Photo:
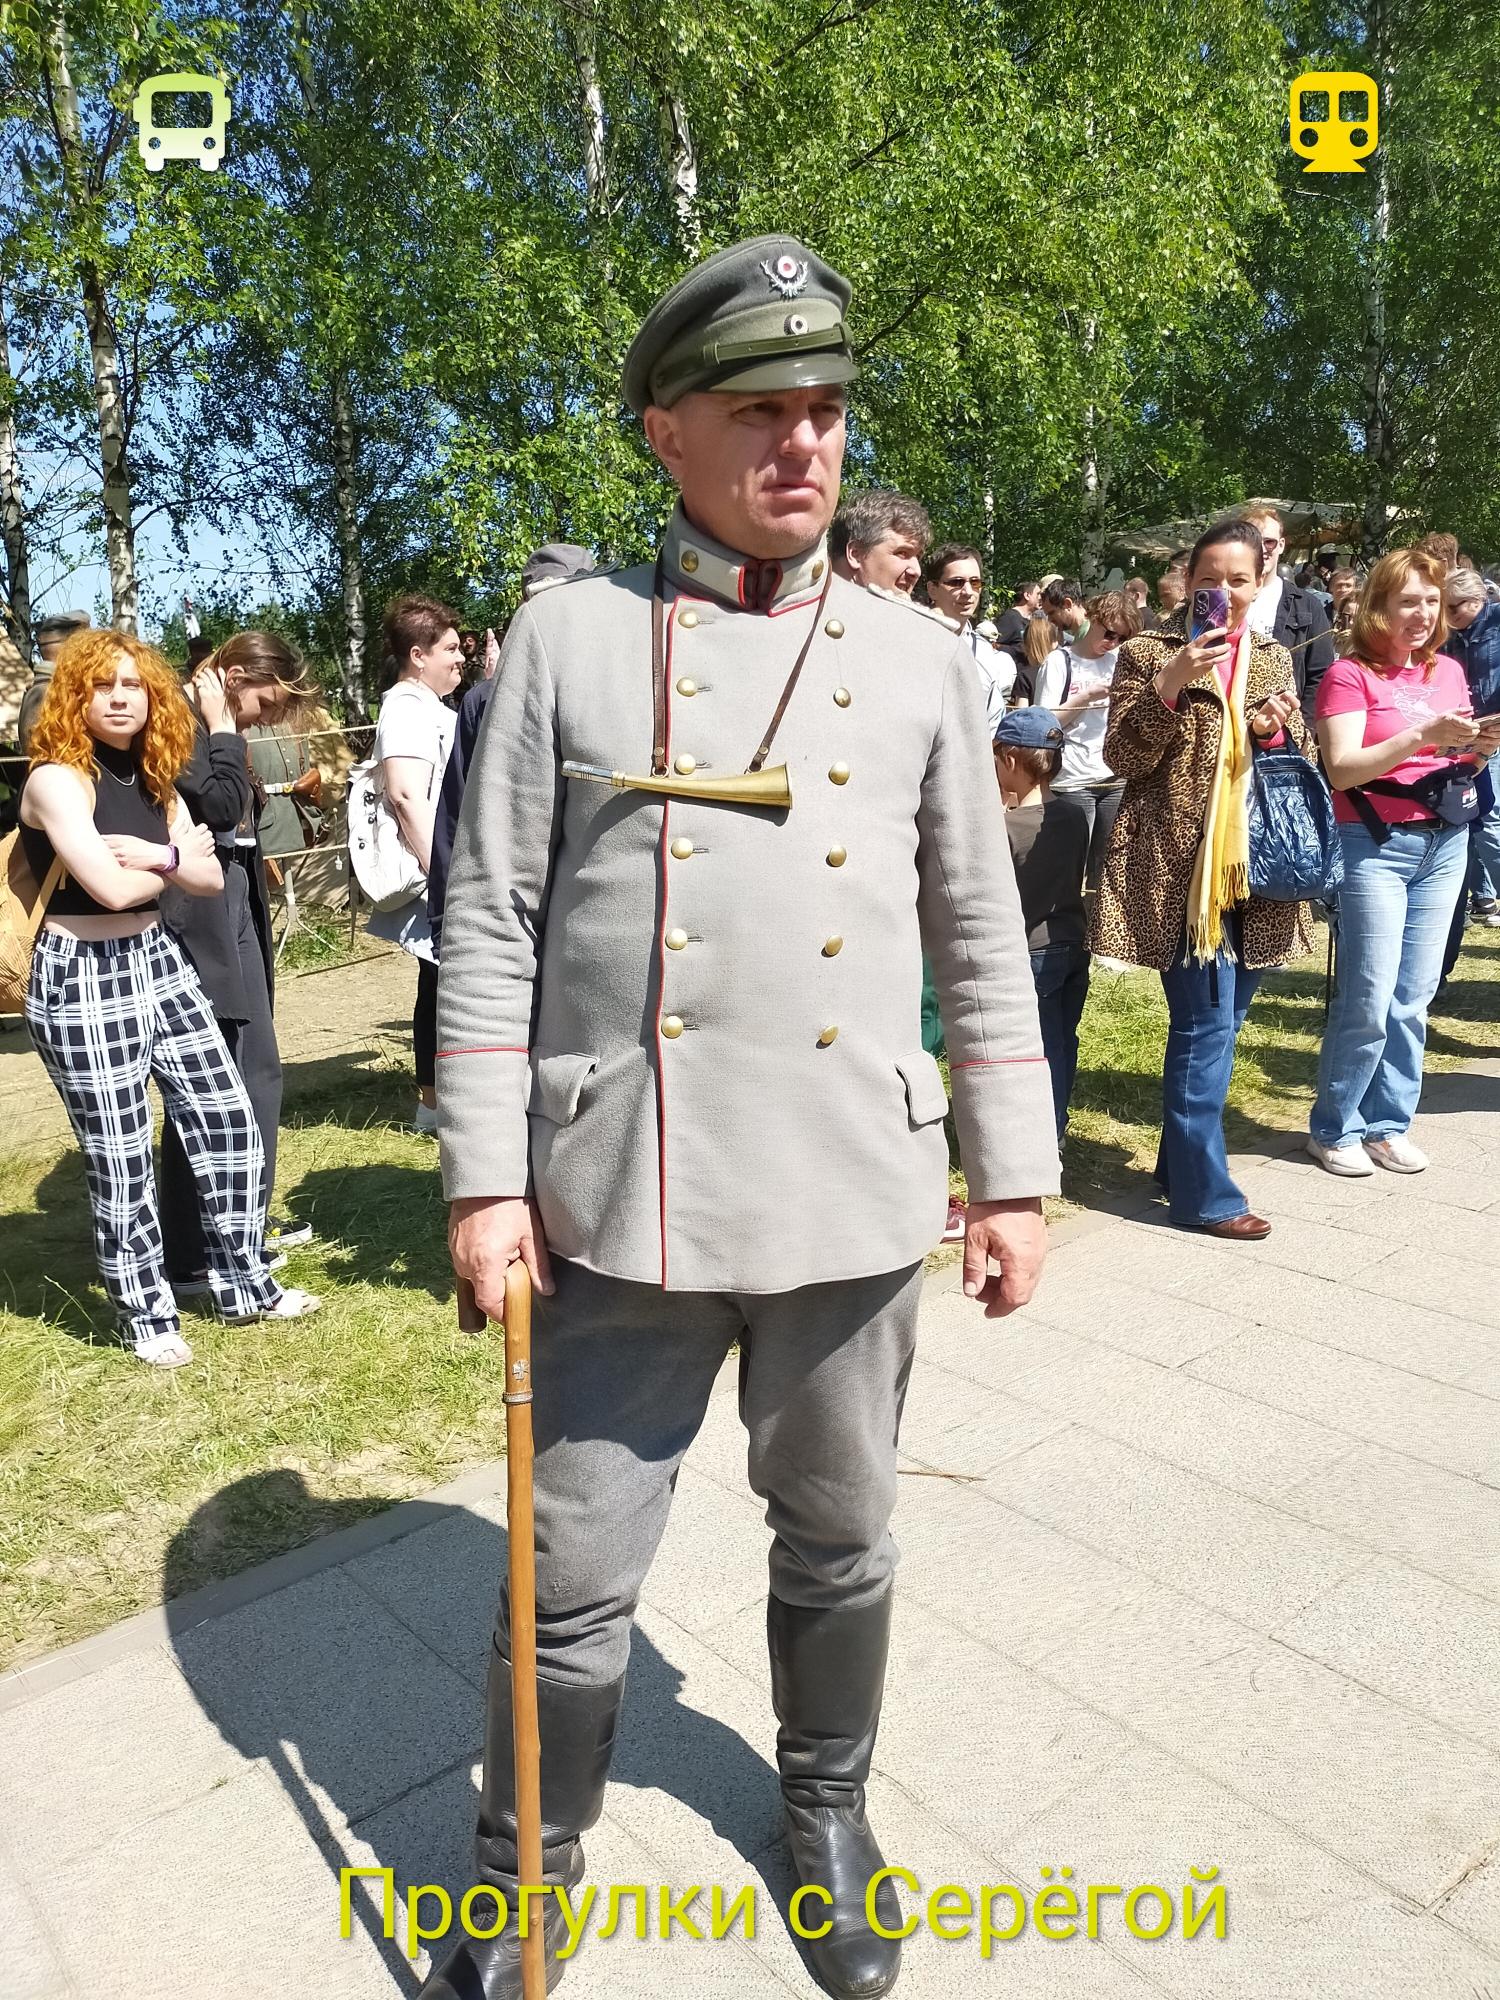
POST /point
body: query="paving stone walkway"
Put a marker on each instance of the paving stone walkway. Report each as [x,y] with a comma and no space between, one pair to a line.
[1201,1568]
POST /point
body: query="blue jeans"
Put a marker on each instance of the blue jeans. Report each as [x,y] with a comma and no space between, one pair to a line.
[1394,912]
[1207,1005]
[1061,975]
[1484,855]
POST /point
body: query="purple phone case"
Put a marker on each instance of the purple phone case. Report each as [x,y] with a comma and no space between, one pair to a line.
[1210,609]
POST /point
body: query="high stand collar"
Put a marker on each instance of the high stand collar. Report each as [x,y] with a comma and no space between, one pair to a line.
[703,567]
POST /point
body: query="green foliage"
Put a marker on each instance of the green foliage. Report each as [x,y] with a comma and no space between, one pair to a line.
[1093,288]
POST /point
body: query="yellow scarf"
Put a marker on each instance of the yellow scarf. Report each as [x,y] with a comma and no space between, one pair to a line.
[1221,873]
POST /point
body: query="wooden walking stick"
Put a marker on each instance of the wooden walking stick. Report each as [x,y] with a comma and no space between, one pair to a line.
[521,1529]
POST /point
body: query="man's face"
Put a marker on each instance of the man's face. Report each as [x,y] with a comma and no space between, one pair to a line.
[892,563]
[1342,588]
[758,470]
[1272,542]
[956,591]
[1065,612]
[1031,600]
[1137,594]
[1172,589]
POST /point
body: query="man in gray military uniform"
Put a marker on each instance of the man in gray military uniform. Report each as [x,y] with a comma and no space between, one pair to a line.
[680,1049]
[50,634]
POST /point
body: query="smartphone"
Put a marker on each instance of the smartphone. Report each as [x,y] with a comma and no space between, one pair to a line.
[1210,610]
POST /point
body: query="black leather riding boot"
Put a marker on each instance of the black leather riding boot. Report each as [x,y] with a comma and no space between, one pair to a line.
[578,1735]
[827,1677]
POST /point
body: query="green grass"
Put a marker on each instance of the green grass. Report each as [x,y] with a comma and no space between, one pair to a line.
[119,1485]
[321,939]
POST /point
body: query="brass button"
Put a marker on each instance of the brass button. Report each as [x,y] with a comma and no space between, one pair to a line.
[843,697]
[690,561]
[677,940]
[839,774]
[833,947]
[687,687]
[835,628]
[828,1035]
[688,618]
[818,570]
[685,766]
[671,1027]
[837,856]
[683,850]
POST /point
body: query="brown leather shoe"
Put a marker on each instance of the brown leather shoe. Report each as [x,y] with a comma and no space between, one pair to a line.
[1239,1228]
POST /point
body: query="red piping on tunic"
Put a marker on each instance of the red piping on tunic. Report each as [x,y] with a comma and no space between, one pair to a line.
[487,1051]
[661,963]
[792,604]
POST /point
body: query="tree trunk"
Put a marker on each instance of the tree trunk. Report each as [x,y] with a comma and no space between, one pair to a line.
[1094,481]
[351,570]
[591,96]
[109,401]
[684,174]
[1380,439]
[13,506]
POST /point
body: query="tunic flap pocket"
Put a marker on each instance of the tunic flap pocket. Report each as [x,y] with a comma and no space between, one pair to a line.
[926,1099]
[557,1084]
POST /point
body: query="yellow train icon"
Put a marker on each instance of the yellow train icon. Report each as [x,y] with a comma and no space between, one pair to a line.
[160,143]
[1335,120]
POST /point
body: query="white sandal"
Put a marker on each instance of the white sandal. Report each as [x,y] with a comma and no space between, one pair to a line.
[164,1350]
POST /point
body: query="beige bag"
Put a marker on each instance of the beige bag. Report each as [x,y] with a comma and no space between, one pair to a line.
[22,907]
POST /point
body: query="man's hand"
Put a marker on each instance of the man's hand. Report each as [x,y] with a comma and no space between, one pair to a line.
[1013,1235]
[486,1234]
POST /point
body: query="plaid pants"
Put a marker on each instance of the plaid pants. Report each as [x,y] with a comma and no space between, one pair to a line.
[107,1015]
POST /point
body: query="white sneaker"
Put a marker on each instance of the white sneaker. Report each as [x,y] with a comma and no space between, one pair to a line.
[290,1304]
[1347,1160]
[425,1121]
[1396,1153]
[164,1350]
[294,1304]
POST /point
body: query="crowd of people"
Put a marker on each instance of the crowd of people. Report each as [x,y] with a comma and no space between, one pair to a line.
[1123,731]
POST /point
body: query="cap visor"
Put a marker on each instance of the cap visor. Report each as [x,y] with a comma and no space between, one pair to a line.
[813,370]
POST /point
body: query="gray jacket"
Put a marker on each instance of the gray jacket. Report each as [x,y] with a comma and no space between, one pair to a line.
[694,1029]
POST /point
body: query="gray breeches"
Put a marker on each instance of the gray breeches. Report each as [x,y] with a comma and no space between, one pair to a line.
[622,1381]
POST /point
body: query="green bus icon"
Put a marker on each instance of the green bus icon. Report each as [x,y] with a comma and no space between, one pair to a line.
[160,143]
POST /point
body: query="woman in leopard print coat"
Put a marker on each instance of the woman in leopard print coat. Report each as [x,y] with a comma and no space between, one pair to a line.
[1165,719]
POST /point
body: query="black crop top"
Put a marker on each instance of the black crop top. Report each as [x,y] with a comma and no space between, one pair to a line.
[121,805]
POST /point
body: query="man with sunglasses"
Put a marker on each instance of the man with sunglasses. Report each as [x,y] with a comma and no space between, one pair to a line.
[1074,682]
[1293,617]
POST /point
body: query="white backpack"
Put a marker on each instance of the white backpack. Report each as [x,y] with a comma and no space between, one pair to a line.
[385,868]
[388,873]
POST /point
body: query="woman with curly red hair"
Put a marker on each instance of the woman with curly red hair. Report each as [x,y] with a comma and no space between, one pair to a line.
[113,1002]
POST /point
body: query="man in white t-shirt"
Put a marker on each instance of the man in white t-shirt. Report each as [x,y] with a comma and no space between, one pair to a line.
[954,576]
[1074,682]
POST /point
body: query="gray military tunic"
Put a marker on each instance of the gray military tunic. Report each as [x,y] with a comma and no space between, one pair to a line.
[694,1029]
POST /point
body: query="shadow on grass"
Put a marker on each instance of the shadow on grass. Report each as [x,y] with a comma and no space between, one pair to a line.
[357,1088]
[57,1238]
[363,1695]
[380,1223]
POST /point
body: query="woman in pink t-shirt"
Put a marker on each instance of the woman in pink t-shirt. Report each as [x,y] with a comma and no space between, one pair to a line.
[1393,714]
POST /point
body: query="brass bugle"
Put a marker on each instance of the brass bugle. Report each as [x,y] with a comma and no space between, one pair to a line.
[772,788]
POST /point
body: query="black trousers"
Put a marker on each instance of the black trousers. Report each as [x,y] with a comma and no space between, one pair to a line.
[424,1025]
[252,1048]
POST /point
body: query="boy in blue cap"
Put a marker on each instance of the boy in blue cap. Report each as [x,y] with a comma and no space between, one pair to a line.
[1049,842]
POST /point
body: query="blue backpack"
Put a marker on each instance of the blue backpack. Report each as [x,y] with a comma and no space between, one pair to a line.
[1296,855]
